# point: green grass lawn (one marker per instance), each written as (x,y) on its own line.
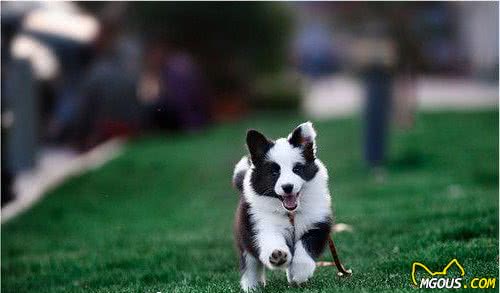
(159,218)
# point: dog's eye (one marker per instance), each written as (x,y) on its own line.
(275,170)
(298,169)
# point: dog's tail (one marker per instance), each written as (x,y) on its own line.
(239,173)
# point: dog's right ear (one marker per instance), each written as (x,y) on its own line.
(258,145)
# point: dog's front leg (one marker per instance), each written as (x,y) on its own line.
(302,266)
(307,249)
(274,253)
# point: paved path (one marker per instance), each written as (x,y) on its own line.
(342,95)
(54,166)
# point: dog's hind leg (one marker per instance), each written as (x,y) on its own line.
(252,272)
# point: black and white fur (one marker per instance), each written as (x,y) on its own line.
(278,178)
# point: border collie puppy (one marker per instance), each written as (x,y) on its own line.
(279,180)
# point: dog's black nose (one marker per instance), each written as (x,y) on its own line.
(287,188)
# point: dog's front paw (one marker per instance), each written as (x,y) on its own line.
(301,270)
(248,284)
(278,257)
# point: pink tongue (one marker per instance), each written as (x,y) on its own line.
(290,202)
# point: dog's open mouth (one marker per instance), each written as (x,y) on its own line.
(290,201)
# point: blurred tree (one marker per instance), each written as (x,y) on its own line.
(252,33)
(233,43)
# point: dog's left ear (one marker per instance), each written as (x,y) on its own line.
(304,136)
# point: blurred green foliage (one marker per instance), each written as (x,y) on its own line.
(255,33)
(234,43)
(277,92)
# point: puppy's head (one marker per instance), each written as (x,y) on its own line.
(282,167)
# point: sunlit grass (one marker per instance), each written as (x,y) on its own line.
(159,218)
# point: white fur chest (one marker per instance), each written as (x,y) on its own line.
(278,222)
(269,217)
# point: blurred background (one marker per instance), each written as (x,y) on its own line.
(404,97)
(76,74)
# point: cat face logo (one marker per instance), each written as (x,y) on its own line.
(440,279)
(444,272)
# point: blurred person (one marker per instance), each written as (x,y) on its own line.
(378,81)
(148,90)
(12,16)
(375,54)
(313,49)
(185,94)
(108,106)
(409,62)
(175,90)
(67,32)
(405,96)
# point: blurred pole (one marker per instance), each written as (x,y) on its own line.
(378,79)
(21,98)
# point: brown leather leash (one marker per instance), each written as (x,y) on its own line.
(342,272)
